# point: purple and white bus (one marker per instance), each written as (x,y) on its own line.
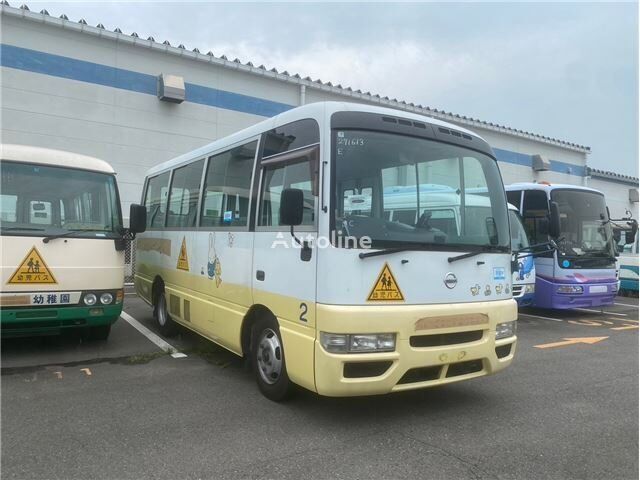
(581,272)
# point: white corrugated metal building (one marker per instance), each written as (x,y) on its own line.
(72,86)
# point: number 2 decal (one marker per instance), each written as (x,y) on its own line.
(303,312)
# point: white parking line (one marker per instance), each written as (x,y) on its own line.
(626,304)
(543,318)
(152,337)
(601,311)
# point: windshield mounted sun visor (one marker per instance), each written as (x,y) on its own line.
(405,126)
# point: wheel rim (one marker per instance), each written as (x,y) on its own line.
(269,356)
(162,311)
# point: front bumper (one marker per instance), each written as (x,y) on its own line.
(466,348)
(594,295)
(25,321)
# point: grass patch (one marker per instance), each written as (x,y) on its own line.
(145,357)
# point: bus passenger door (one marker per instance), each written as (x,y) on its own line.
(284,278)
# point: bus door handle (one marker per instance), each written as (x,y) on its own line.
(260,275)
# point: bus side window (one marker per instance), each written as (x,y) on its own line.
(227,187)
(183,195)
(515,198)
(535,215)
(156,200)
(299,173)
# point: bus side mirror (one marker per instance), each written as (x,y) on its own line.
(137,218)
(630,236)
(291,206)
(617,235)
(554,220)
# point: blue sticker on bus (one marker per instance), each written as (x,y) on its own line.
(498,273)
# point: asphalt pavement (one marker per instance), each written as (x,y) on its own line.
(125,408)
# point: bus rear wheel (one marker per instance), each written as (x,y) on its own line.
(167,326)
(268,360)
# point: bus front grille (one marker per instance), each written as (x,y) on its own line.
(442,339)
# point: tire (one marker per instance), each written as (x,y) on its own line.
(268,360)
(167,326)
(99,333)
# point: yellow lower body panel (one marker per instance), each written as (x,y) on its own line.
(435,345)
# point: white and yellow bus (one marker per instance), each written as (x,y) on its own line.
(62,242)
(254,242)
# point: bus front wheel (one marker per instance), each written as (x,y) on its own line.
(268,360)
(99,333)
(165,322)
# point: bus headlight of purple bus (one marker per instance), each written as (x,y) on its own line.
(571,289)
(506,330)
(358,343)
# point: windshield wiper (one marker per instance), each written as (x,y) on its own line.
(473,254)
(68,233)
(385,251)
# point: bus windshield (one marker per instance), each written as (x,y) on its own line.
(584,227)
(519,238)
(42,200)
(411,192)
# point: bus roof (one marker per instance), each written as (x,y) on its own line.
(548,187)
(54,158)
(320,111)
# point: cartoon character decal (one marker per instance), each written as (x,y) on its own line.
(214,269)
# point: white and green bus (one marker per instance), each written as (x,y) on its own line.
(62,242)
(254,242)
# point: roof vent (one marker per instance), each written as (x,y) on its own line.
(196,50)
(64,17)
(166,42)
(24,7)
(82,21)
(4,2)
(100,26)
(151,39)
(181,46)
(135,35)
(117,30)
(170,88)
(633,195)
(44,12)
(540,163)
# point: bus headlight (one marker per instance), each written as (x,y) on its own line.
(106,298)
(575,289)
(530,288)
(90,299)
(358,343)
(505,330)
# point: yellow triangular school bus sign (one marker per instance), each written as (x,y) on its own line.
(33,269)
(183,260)
(386,288)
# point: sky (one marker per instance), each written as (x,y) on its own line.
(567,71)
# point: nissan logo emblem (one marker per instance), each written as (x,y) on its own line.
(450,280)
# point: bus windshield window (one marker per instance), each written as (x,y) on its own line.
(44,200)
(405,191)
(584,227)
(519,238)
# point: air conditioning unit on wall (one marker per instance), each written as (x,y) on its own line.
(633,195)
(170,88)
(540,163)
